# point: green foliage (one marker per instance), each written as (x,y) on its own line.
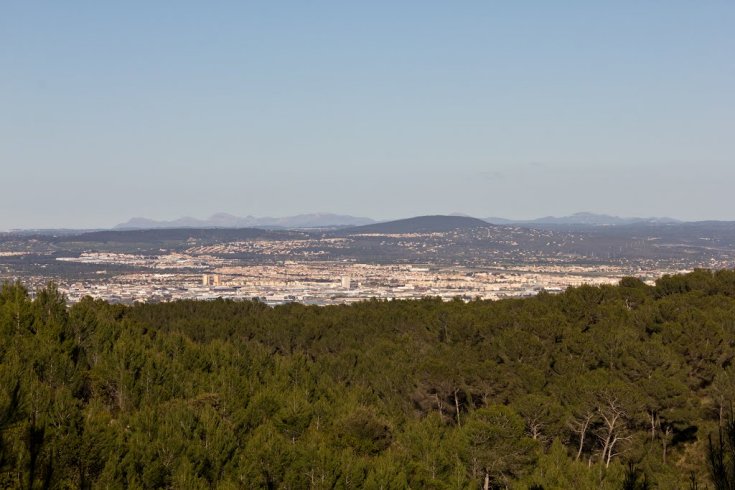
(634,480)
(364,433)
(721,456)
(494,446)
(555,392)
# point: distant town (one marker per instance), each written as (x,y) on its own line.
(326,282)
(448,257)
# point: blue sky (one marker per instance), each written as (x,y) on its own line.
(110,110)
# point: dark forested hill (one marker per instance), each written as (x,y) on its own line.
(556,391)
(422,224)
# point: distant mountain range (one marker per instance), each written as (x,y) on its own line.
(224,220)
(588,219)
(329,220)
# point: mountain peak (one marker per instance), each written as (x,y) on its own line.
(423,224)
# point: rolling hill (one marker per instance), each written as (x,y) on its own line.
(422,224)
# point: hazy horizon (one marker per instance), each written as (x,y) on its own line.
(324,213)
(200,216)
(113,111)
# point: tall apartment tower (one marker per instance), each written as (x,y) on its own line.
(215,280)
(346,282)
(205,280)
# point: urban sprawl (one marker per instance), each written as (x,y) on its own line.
(323,282)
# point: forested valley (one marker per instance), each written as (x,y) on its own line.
(612,387)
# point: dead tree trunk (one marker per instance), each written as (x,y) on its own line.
(612,415)
(456,406)
(581,427)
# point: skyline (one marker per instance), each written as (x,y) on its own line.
(380,110)
(224,220)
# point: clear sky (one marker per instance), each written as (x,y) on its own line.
(385,109)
